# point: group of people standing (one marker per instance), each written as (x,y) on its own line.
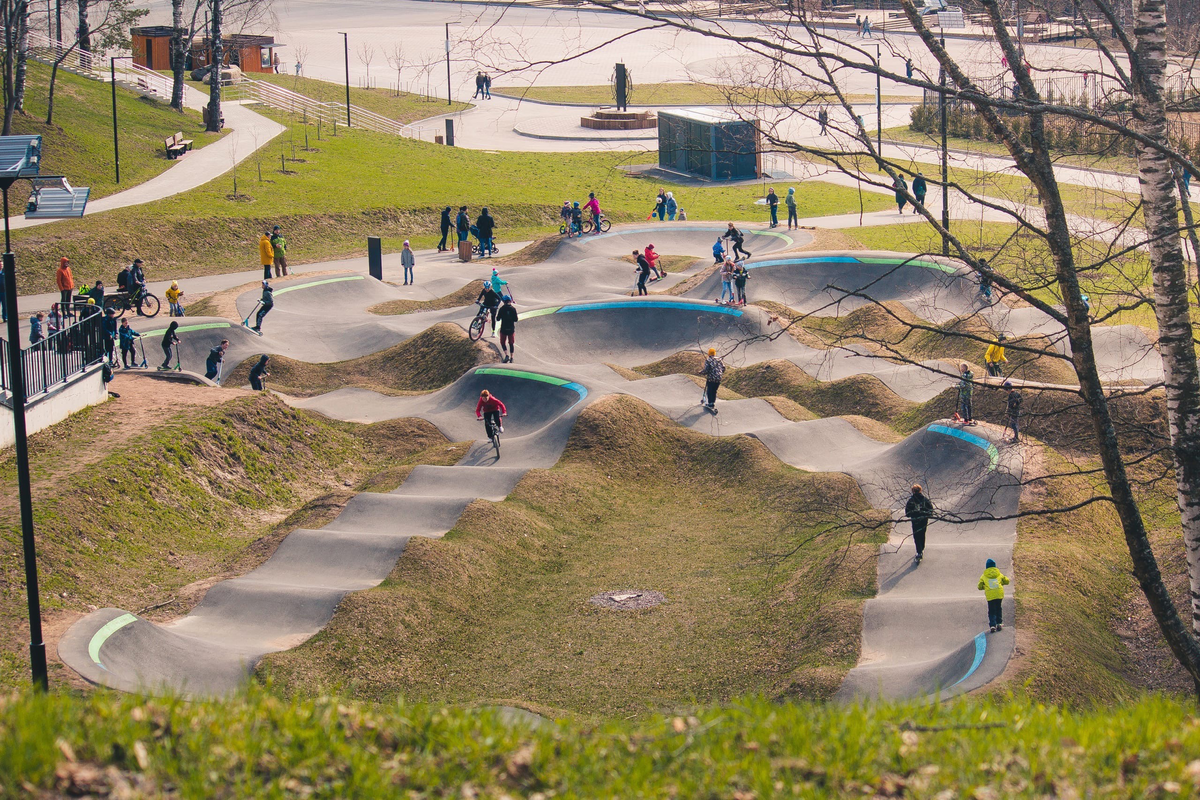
(484,229)
(272,253)
(789,201)
(919,189)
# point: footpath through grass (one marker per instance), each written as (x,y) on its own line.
(498,611)
(359,184)
(258,745)
(79,144)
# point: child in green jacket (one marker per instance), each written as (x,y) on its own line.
(992,583)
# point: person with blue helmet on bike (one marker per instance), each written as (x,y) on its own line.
(489,300)
(508,328)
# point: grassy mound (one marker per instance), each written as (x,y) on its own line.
(763,593)
(258,745)
(461,297)
(205,491)
(430,360)
(79,143)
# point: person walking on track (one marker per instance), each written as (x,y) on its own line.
(966,388)
(713,371)
(169,341)
(918,510)
(992,583)
(1013,409)
(643,271)
(790,202)
(507,315)
(408,261)
(266,254)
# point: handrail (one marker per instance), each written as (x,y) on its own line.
(57,358)
(281,99)
(144,79)
(42,48)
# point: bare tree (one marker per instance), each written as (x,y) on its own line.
(13,13)
(301,57)
(187,20)
(793,66)
(397,61)
(366,54)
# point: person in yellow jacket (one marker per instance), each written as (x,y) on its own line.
(994,357)
(992,583)
(173,295)
(266,254)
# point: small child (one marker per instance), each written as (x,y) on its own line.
(173,295)
(718,252)
(682,215)
(740,274)
(992,583)
(127,335)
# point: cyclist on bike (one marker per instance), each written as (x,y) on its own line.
(593,205)
(137,284)
(565,214)
(489,300)
(490,410)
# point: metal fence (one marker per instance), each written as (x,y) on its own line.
(57,358)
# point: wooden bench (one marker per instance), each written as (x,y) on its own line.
(176,145)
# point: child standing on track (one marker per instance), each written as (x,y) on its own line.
(918,509)
(995,357)
(740,273)
(718,251)
(992,583)
(408,261)
(726,281)
(508,329)
(714,370)
(1013,407)
(169,340)
(127,335)
(173,294)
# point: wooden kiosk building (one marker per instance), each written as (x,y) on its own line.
(250,53)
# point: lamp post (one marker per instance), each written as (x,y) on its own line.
(20,158)
(112,73)
(878,105)
(346,43)
(449,102)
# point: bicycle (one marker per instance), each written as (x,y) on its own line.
(475,331)
(477,249)
(493,430)
(146,304)
(604,224)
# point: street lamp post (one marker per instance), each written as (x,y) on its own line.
(346,43)
(20,159)
(112,71)
(878,105)
(449,101)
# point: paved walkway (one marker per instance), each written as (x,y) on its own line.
(248,132)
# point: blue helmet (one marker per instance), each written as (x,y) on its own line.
(576,204)
(507,298)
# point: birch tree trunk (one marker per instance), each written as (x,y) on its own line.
(22,15)
(1161,211)
(214,80)
(178,54)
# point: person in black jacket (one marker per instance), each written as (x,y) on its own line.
(735,236)
(490,300)
(110,335)
(462,224)
(486,225)
(447,224)
(643,270)
(169,340)
(215,360)
(919,510)
(268,302)
(258,373)
(508,328)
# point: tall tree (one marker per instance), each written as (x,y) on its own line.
(22,58)
(13,13)
(218,59)
(109,31)
(187,20)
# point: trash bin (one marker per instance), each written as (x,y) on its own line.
(464,250)
(437,139)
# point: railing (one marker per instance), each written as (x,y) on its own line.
(143,79)
(43,48)
(57,358)
(328,114)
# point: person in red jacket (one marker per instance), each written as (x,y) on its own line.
(593,205)
(490,409)
(66,286)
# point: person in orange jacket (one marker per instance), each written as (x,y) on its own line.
(66,284)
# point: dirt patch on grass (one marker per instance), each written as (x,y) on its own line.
(533,253)
(430,360)
(461,297)
(498,610)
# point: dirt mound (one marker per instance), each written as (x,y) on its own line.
(430,360)
(461,297)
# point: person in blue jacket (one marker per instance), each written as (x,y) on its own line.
(718,251)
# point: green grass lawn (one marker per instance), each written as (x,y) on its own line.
(79,144)
(361,183)
(654,94)
(257,745)
(904,133)
(498,611)
(402,107)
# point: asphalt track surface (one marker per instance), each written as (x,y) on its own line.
(923,634)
